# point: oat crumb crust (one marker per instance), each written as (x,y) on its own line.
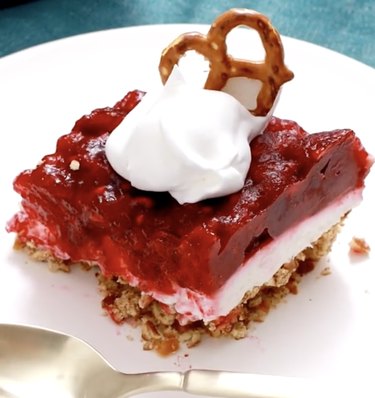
(160,329)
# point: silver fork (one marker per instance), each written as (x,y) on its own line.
(42,363)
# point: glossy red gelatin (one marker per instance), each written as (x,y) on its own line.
(84,211)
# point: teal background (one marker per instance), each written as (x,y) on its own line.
(347,26)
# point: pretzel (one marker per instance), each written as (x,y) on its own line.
(272,72)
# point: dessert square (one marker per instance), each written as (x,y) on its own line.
(193,230)
(185,270)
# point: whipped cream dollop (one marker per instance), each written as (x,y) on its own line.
(191,142)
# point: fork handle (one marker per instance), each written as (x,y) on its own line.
(245,385)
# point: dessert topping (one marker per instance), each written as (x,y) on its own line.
(194,142)
(272,72)
(186,140)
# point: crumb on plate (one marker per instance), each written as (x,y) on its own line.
(359,246)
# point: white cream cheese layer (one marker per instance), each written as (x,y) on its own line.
(260,268)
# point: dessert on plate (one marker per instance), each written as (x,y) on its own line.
(199,208)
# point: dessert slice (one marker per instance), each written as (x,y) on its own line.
(181,270)
(237,229)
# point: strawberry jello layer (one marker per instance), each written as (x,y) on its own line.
(199,258)
(260,268)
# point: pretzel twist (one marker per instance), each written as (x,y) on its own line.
(272,72)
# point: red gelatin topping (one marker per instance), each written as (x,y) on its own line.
(75,206)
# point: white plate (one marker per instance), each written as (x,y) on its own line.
(327,329)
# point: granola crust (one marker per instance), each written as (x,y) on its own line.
(160,329)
